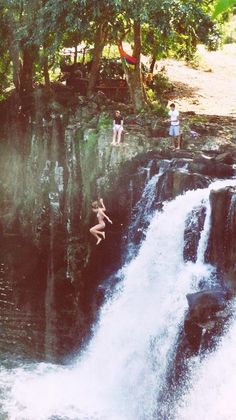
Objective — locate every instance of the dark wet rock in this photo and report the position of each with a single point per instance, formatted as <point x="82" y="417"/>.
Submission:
<point x="221" y="250"/>
<point x="193" y="332"/>
<point x="213" y="167"/>
<point x="226" y="158"/>
<point x="204" y="322"/>
<point x="192" y="233"/>
<point x="181" y="154"/>
<point x="204" y="304"/>
<point x="173" y="182"/>
<point x="205" y="128"/>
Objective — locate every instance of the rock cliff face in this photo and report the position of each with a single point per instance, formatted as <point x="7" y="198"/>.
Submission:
<point x="52" y="166"/>
<point x="221" y="247"/>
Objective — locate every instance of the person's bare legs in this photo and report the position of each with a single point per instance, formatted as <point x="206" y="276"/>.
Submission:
<point x="178" y="142"/>
<point x="98" y="241"/>
<point x="114" y="136"/>
<point x="119" y="135"/>
<point x="95" y="231"/>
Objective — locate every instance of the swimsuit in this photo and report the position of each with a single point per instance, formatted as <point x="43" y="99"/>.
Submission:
<point x="117" y="123"/>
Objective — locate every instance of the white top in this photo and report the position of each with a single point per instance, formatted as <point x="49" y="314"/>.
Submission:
<point x="174" y="117"/>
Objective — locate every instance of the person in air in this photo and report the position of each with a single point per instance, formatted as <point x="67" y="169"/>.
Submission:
<point x="99" y="208"/>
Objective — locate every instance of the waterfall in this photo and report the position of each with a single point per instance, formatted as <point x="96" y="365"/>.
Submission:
<point x="121" y="372"/>
<point x="143" y="211"/>
<point x="210" y="392"/>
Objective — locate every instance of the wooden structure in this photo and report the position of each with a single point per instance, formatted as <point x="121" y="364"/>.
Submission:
<point x="116" y="89"/>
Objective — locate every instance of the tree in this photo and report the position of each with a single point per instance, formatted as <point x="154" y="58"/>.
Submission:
<point x="19" y="18"/>
<point x="34" y="32"/>
<point x="223" y="6"/>
<point x="99" y="43"/>
<point x="130" y="18"/>
<point x="133" y="73"/>
<point x="177" y="27"/>
<point x="157" y="28"/>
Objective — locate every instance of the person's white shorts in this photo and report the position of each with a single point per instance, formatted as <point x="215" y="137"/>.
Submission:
<point x="118" y="127"/>
<point x="174" y="130"/>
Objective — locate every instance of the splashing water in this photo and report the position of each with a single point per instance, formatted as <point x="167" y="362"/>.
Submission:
<point x="119" y="375"/>
<point x="211" y="392"/>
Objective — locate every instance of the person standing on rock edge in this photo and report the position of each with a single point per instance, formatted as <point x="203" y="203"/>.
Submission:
<point x="174" y="130"/>
<point x="117" y="128"/>
<point x="97" y="230"/>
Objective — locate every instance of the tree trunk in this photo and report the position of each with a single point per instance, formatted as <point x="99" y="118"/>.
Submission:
<point x="152" y="64"/>
<point x="16" y="64"/>
<point x="134" y="77"/>
<point x="83" y="56"/>
<point x="46" y="72"/>
<point x="46" y="68"/>
<point x="100" y="40"/>
<point x="76" y="54"/>
<point x="27" y="71"/>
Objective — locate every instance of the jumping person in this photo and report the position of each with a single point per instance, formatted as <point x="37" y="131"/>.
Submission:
<point x="174" y="130"/>
<point x="99" y="208"/>
<point x="117" y="128"/>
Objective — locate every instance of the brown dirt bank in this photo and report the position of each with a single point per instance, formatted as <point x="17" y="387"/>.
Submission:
<point x="208" y="89"/>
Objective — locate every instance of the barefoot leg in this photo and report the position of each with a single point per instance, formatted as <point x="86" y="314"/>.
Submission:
<point x="114" y="136"/>
<point x="96" y="231"/>
<point x="119" y="135"/>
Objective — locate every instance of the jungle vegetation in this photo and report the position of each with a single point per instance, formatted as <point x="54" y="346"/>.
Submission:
<point x="34" y="32"/>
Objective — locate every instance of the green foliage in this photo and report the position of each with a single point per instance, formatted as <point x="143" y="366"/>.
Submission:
<point x="230" y="31"/>
<point x="159" y="109"/>
<point x="161" y="83"/>
<point x="111" y="69"/>
<point x="222" y="6"/>
<point x="168" y="27"/>
<point x="104" y="121"/>
<point x="176" y="27"/>
<point x="151" y="95"/>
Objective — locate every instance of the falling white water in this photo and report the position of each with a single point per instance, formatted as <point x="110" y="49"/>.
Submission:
<point x="143" y="210"/>
<point x="210" y="395"/>
<point x="119" y="375"/>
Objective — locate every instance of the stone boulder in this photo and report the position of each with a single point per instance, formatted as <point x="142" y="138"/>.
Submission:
<point x="205" y="319"/>
<point x="203" y="305"/>
<point x="212" y="166"/>
<point x="193" y="333"/>
<point x="225" y="157"/>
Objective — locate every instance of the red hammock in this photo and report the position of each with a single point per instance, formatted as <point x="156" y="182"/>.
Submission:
<point x="128" y="58"/>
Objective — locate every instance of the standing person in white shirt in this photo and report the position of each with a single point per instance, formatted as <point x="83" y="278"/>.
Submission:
<point x="174" y="130"/>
